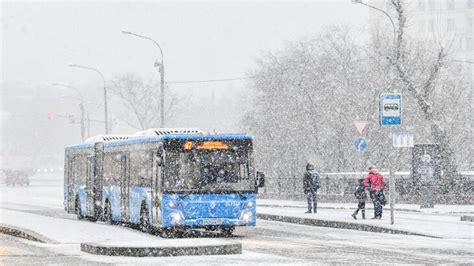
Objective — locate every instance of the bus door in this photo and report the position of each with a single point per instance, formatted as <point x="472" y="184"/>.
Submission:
<point x="98" y="177"/>
<point x="124" y="186"/>
<point x="71" y="197"/>
<point x="90" y="202"/>
<point x="156" y="182"/>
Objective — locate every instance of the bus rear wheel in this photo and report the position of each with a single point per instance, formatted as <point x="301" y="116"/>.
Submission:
<point x="144" y="220"/>
<point x="107" y="212"/>
<point x="78" y="209"/>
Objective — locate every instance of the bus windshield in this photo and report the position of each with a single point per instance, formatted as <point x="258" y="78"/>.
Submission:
<point x="208" y="171"/>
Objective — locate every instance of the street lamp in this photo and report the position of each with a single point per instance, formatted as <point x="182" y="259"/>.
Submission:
<point x="391" y="173"/>
<point x="385" y="13"/>
<point x="162" y="74"/>
<point x="81" y="107"/>
<point x="105" y="93"/>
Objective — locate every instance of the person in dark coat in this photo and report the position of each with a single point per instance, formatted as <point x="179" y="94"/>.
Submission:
<point x="361" y="196"/>
<point x="310" y="187"/>
<point x="374" y="182"/>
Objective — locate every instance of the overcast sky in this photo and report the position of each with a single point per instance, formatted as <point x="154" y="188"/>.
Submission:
<point x="200" y="40"/>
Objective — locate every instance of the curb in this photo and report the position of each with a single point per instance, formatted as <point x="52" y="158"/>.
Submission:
<point x="167" y="249"/>
<point x="328" y="208"/>
<point x="337" y="225"/>
<point x="467" y="218"/>
<point x="24" y="233"/>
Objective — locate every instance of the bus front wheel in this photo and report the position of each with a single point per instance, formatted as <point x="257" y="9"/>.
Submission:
<point x="227" y="231"/>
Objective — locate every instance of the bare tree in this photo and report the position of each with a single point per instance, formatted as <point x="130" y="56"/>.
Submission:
<point x="420" y="80"/>
<point x="141" y="101"/>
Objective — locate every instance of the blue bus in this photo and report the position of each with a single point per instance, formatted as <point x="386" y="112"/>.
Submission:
<point x="164" y="180"/>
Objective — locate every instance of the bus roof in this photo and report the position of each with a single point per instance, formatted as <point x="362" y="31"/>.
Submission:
<point x="150" y="139"/>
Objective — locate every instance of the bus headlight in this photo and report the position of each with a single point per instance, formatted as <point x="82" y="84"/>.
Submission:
<point x="176" y="217"/>
<point x="246" y="216"/>
<point x="171" y="204"/>
<point x="249" y="204"/>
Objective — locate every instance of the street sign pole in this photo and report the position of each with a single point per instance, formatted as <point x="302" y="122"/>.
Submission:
<point x="391" y="191"/>
<point x="391" y="115"/>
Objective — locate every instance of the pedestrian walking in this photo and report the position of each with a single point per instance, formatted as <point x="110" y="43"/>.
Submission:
<point x="374" y="182"/>
<point x="310" y="186"/>
<point x="361" y="196"/>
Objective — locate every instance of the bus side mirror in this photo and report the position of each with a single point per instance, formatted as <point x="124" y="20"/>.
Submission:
<point x="260" y="179"/>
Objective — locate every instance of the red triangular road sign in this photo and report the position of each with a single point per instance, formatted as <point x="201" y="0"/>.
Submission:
<point x="360" y="126"/>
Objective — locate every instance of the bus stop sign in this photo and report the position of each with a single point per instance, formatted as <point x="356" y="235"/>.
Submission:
<point x="390" y="109"/>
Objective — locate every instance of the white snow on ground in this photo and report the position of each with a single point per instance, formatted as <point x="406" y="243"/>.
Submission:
<point x="444" y="224"/>
<point x="71" y="231"/>
<point x="45" y="190"/>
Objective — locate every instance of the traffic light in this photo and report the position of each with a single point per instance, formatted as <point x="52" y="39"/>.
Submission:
<point x="50" y="114"/>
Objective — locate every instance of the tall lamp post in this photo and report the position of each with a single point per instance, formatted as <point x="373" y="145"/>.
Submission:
<point x="81" y="107"/>
<point x="105" y="93"/>
<point x="162" y="74"/>
<point x="391" y="173"/>
<point x="385" y="13"/>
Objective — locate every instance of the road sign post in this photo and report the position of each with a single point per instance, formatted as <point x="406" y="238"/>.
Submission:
<point x="390" y="108"/>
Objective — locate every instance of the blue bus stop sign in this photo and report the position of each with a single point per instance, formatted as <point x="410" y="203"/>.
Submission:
<point x="361" y="144"/>
<point x="390" y="109"/>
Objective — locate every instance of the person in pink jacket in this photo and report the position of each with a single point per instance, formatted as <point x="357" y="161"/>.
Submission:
<point x="374" y="182"/>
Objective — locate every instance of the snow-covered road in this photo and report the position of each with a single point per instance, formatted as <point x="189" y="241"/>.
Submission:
<point x="40" y="206"/>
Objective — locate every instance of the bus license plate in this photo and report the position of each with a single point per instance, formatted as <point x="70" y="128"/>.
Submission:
<point x="212" y="221"/>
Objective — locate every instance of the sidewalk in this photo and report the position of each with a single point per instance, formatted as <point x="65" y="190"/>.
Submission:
<point x="104" y="239"/>
<point x="442" y="221"/>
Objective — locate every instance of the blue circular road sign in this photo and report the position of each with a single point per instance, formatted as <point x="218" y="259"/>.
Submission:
<point x="361" y="144"/>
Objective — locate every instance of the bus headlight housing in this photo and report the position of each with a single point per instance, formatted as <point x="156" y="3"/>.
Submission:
<point x="246" y="216"/>
<point x="176" y="217"/>
<point x="249" y="204"/>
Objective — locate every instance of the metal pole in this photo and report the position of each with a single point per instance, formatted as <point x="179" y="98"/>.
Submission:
<point x="81" y="106"/>
<point x="162" y="74"/>
<point x="391" y="174"/>
<point x="88" y="125"/>
<point x="105" y="93"/>
<point x="162" y="100"/>
<point x="105" y="107"/>
<point x="392" y="194"/>
<point x="385" y="13"/>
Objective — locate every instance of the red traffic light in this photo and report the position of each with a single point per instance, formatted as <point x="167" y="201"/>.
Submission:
<point x="50" y="114"/>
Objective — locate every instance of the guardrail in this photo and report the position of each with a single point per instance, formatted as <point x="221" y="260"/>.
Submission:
<point x="339" y="187"/>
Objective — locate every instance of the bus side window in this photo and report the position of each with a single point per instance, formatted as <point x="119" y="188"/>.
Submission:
<point x="141" y="168"/>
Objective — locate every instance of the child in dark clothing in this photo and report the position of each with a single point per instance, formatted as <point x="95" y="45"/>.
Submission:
<point x="361" y="196"/>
